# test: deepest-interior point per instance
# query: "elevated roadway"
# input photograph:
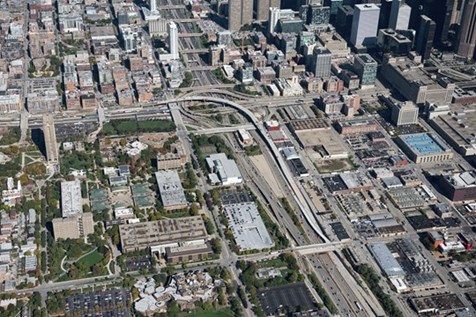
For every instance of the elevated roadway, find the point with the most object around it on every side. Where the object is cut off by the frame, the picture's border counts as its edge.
(246, 127)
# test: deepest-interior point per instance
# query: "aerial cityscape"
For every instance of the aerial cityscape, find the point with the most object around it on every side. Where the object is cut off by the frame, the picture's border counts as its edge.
(228, 158)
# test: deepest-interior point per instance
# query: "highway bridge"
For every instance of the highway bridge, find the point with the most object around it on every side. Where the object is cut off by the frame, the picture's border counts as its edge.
(247, 127)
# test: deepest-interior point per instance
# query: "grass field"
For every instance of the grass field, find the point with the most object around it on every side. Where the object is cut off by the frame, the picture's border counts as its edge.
(91, 259)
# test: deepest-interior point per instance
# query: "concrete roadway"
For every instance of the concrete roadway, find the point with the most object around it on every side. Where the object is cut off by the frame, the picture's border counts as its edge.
(344, 306)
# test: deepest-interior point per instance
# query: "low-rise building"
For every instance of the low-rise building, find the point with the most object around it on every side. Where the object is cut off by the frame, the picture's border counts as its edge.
(223, 169)
(458, 186)
(71, 200)
(161, 234)
(424, 148)
(78, 226)
(171, 191)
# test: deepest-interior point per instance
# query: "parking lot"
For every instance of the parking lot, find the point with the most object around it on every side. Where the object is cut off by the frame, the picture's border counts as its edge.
(136, 263)
(110, 303)
(235, 197)
(285, 297)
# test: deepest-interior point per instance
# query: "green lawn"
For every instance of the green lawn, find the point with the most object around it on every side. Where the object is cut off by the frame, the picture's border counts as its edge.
(91, 259)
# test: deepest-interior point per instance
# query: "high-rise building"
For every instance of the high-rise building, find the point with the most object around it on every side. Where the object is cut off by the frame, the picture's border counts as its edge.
(366, 67)
(393, 14)
(274, 16)
(317, 14)
(425, 37)
(173, 40)
(365, 25)
(467, 37)
(51, 145)
(399, 18)
(334, 5)
(321, 58)
(344, 18)
(404, 113)
(240, 12)
(262, 8)
(153, 5)
(440, 11)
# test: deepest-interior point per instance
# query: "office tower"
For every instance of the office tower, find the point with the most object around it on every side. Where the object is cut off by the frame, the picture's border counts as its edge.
(393, 16)
(403, 20)
(365, 25)
(344, 18)
(467, 36)
(385, 10)
(334, 5)
(153, 5)
(425, 37)
(366, 67)
(240, 12)
(262, 8)
(173, 40)
(51, 145)
(399, 18)
(274, 16)
(440, 11)
(317, 14)
(404, 113)
(321, 58)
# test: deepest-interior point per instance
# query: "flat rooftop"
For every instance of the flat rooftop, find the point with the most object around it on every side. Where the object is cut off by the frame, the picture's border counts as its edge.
(71, 200)
(139, 236)
(459, 126)
(424, 143)
(309, 124)
(385, 260)
(247, 226)
(170, 188)
(329, 140)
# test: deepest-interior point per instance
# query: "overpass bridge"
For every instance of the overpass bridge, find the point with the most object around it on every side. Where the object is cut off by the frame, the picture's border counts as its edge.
(190, 34)
(225, 129)
(319, 247)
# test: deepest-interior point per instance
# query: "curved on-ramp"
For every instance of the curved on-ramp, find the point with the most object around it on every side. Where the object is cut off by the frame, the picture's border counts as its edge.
(301, 201)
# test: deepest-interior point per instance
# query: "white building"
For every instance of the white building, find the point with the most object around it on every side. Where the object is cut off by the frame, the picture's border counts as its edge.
(71, 200)
(173, 40)
(399, 16)
(224, 170)
(365, 25)
(274, 16)
(11, 193)
(153, 5)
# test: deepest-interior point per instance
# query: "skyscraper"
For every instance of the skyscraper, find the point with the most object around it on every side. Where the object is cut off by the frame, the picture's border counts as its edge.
(403, 19)
(263, 6)
(240, 12)
(153, 5)
(274, 16)
(440, 11)
(399, 18)
(317, 14)
(173, 40)
(321, 58)
(467, 37)
(365, 25)
(425, 36)
(52, 156)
